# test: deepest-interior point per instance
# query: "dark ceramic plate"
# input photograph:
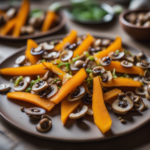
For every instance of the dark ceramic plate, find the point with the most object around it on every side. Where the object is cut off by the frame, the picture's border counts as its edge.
(74, 130)
(107, 18)
(56, 28)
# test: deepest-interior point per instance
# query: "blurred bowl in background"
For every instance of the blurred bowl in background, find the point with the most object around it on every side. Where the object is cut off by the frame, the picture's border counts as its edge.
(137, 32)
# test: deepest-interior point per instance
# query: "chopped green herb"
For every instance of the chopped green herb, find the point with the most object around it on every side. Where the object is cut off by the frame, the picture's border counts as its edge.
(119, 118)
(36, 13)
(70, 72)
(64, 64)
(32, 83)
(59, 87)
(42, 60)
(117, 52)
(86, 54)
(146, 106)
(91, 58)
(19, 79)
(114, 73)
(88, 70)
(125, 51)
(75, 58)
(125, 75)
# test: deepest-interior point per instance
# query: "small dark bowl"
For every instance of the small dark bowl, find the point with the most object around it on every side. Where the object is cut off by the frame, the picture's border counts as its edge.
(139, 33)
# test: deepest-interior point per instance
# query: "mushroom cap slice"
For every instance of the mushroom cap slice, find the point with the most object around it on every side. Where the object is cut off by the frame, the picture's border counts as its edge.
(137, 78)
(126, 64)
(77, 94)
(80, 114)
(20, 60)
(143, 64)
(129, 93)
(46, 75)
(141, 90)
(146, 78)
(148, 88)
(90, 112)
(105, 61)
(39, 86)
(140, 105)
(116, 56)
(28, 79)
(53, 90)
(66, 55)
(44, 125)
(147, 96)
(37, 51)
(21, 88)
(50, 55)
(97, 70)
(129, 57)
(48, 47)
(122, 110)
(107, 76)
(78, 64)
(4, 87)
(35, 111)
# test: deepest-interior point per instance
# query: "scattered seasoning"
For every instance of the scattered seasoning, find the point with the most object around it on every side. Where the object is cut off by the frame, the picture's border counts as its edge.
(119, 118)
(123, 121)
(42, 60)
(91, 58)
(86, 54)
(75, 58)
(64, 64)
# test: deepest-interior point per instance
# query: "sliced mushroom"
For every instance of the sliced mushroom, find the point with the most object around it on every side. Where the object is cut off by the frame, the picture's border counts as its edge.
(105, 61)
(90, 112)
(37, 51)
(77, 94)
(87, 98)
(11, 13)
(52, 55)
(130, 94)
(135, 98)
(126, 64)
(22, 86)
(138, 78)
(55, 42)
(116, 55)
(39, 86)
(70, 46)
(129, 57)
(107, 76)
(28, 79)
(27, 30)
(143, 64)
(53, 89)
(66, 55)
(20, 60)
(46, 75)
(44, 125)
(35, 111)
(79, 64)
(141, 90)
(146, 78)
(4, 87)
(122, 106)
(147, 96)
(98, 70)
(148, 88)
(89, 64)
(105, 42)
(141, 55)
(140, 105)
(93, 50)
(97, 42)
(79, 114)
(48, 47)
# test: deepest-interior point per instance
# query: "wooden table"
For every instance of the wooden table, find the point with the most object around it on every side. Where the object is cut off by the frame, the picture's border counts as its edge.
(12, 138)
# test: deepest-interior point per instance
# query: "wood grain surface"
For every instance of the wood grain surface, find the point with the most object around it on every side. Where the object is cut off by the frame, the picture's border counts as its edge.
(12, 138)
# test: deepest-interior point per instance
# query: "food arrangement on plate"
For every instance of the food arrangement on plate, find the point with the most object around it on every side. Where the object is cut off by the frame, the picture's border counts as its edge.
(19, 23)
(82, 73)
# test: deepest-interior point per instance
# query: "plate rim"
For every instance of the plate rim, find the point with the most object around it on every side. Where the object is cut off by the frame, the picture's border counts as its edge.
(67, 139)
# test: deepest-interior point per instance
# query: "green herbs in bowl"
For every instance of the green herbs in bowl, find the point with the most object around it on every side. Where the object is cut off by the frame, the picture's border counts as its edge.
(88, 11)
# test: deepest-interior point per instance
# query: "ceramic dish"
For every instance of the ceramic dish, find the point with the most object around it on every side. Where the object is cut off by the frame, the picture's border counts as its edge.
(74, 130)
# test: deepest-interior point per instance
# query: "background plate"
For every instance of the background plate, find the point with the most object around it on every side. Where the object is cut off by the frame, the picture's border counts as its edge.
(74, 130)
(40, 34)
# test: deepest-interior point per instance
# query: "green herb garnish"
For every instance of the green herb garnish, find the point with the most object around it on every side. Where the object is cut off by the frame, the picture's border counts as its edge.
(42, 60)
(91, 58)
(37, 13)
(56, 80)
(64, 64)
(114, 73)
(32, 83)
(75, 58)
(125, 75)
(88, 70)
(117, 52)
(86, 54)
(19, 79)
